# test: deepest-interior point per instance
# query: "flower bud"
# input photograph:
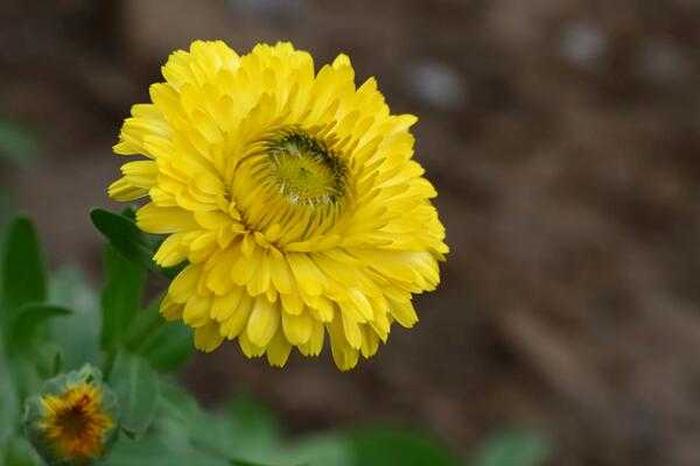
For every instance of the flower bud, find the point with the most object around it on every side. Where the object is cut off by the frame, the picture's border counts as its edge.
(74, 419)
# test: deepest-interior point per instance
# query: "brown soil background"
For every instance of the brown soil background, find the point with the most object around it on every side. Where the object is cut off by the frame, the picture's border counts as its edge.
(563, 137)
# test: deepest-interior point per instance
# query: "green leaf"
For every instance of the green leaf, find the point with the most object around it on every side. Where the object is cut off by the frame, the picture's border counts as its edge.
(125, 236)
(121, 297)
(23, 278)
(247, 431)
(145, 322)
(169, 347)
(385, 446)
(9, 403)
(28, 320)
(137, 389)
(19, 453)
(322, 450)
(6, 210)
(514, 448)
(169, 440)
(78, 334)
(255, 421)
(165, 345)
(236, 462)
(156, 451)
(176, 402)
(25, 375)
(255, 428)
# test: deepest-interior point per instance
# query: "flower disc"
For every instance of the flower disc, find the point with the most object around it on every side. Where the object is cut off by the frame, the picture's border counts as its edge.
(293, 197)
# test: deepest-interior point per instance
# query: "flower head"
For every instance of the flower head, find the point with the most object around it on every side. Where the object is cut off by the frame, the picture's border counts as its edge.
(73, 420)
(292, 195)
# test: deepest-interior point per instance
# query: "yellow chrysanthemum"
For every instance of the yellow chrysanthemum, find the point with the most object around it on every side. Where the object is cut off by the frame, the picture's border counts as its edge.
(293, 196)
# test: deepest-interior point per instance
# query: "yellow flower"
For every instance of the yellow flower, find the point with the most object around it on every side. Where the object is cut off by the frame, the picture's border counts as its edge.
(73, 421)
(293, 195)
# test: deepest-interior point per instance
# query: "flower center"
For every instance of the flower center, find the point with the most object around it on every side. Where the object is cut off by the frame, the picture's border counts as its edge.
(74, 420)
(304, 170)
(290, 179)
(74, 424)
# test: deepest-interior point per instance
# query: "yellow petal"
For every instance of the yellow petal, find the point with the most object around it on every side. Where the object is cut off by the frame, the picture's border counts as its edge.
(260, 281)
(153, 219)
(263, 322)
(169, 309)
(370, 342)
(248, 348)
(308, 277)
(172, 251)
(314, 346)
(353, 335)
(280, 273)
(292, 303)
(297, 328)
(196, 312)
(219, 276)
(123, 190)
(278, 350)
(236, 323)
(207, 338)
(321, 307)
(184, 284)
(223, 307)
(404, 313)
(344, 356)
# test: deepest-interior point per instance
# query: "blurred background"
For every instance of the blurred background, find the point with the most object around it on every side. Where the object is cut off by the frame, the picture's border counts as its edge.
(563, 137)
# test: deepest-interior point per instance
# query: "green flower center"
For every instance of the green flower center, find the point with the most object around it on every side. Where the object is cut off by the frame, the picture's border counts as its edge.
(291, 181)
(304, 170)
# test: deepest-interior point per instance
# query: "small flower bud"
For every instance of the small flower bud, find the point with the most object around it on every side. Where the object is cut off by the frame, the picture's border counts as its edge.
(74, 418)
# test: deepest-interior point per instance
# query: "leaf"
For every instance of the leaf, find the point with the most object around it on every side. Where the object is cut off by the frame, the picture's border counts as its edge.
(169, 440)
(23, 277)
(9, 404)
(322, 450)
(78, 334)
(255, 421)
(514, 448)
(385, 446)
(125, 236)
(169, 347)
(137, 389)
(166, 345)
(255, 428)
(247, 431)
(156, 451)
(28, 319)
(235, 462)
(145, 322)
(25, 375)
(19, 453)
(176, 402)
(121, 297)
(5, 209)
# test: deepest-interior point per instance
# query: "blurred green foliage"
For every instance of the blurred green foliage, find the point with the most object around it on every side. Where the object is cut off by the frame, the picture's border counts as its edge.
(53, 324)
(514, 447)
(18, 144)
